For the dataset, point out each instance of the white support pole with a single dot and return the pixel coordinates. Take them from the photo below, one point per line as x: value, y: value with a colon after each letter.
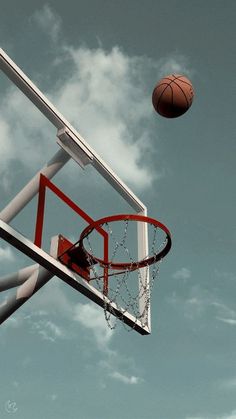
x: 17, y: 278
x: 144, y: 277
x: 32, y: 188
x: 36, y: 281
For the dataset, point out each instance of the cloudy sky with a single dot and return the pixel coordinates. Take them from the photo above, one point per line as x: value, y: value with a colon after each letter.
x: 98, y: 61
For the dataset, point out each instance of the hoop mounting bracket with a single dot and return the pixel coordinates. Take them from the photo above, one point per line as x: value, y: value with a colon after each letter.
x: 68, y: 141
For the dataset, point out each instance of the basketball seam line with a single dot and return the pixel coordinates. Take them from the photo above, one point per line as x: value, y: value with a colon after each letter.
x: 161, y: 97
x: 176, y: 78
x: 166, y: 78
x: 183, y: 81
x: 165, y: 89
x: 173, y: 81
x: 172, y: 97
x: 188, y: 103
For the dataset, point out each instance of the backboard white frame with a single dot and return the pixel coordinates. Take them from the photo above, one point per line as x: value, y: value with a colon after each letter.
x: 75, y: 146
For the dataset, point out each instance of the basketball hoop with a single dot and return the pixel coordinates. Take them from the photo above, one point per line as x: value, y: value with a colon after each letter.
x: 131, y: 266
x: 114, y: 279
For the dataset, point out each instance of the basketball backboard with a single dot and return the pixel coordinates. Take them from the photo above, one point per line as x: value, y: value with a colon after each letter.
x: 71, y: 145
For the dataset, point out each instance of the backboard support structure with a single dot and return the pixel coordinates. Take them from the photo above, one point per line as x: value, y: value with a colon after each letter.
x: 71, y: 145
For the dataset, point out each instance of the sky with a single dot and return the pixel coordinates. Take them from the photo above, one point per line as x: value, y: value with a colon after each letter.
x: 98, y: 62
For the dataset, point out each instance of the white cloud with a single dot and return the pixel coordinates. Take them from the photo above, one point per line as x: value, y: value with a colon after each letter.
x: 114, y: 365
x: 54, y: 397
x: 104, y: 95
x: 231, y: 415
x: 193, y: 306
x: 109, y: 106
x: 6, y: 145
x: 7, y: 151
x: 48, y: 21
x: 47, y: 330
x: 23, y: 139
x: 52, y: 299
x: 183, y: 273
x: 224, y: 313
x: 48, y: 304
x: 125, y: 378
x: 231, y: 322
x: 200, y: 302
x: 228, y: 384
x: 92, y: 318
x: 6, y: 254
x: 51, y: 302
x: 174, y: 63
x: 105, y: 99
x: 197, y: 417
x: 225, y: 275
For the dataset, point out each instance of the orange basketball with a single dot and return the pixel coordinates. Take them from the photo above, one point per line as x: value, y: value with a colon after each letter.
x: 173, y: 96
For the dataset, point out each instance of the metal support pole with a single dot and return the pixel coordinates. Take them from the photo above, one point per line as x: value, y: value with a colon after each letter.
x: 17, y: 278
x: 31, y: 189
x: 36, y: 280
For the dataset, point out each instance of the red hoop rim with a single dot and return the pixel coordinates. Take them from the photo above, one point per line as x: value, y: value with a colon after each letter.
x: 131, y: 265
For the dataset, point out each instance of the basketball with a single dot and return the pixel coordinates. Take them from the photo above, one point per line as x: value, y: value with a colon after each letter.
x: 173, y: 96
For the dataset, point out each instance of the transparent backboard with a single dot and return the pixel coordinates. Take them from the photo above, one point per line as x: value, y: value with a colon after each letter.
x: 72, y: 145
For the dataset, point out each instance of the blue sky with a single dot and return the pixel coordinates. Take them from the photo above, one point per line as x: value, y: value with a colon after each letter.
x: 98, y: 62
